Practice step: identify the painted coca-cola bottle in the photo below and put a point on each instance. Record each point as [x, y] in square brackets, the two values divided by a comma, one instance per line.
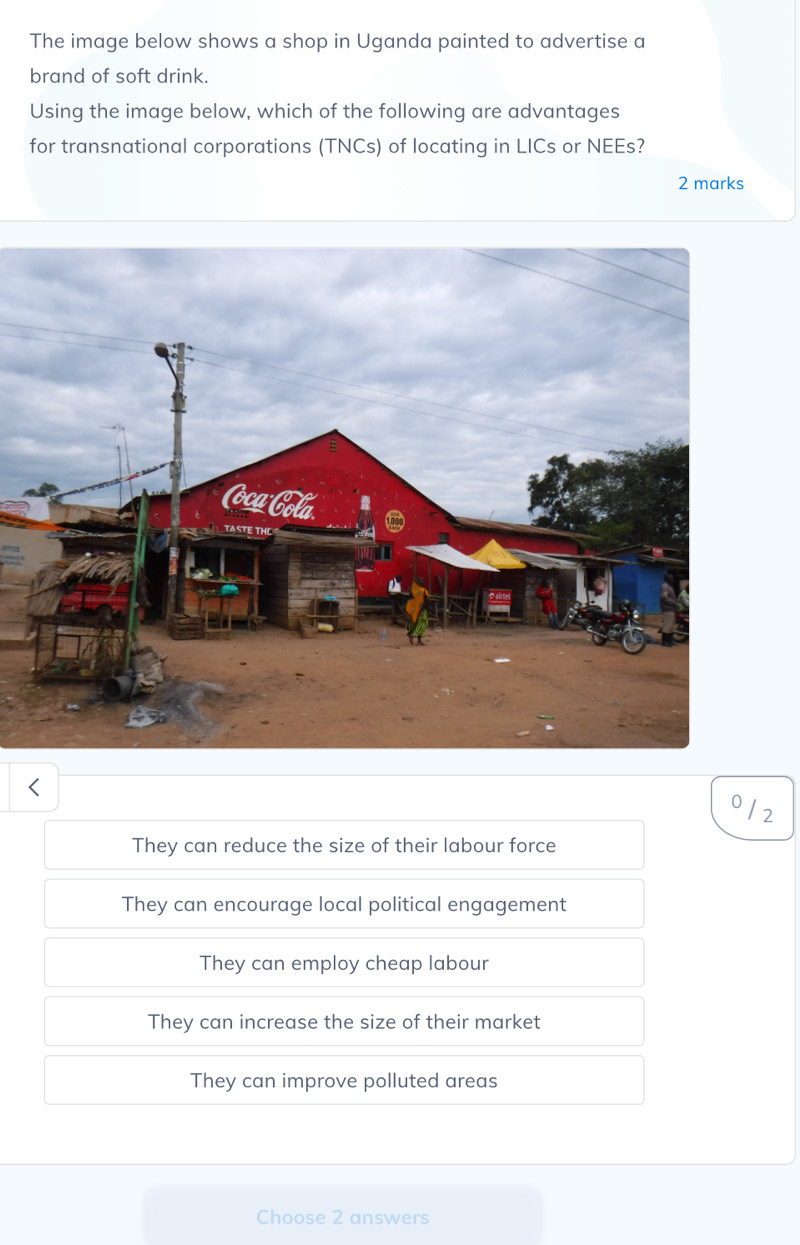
[365, 530]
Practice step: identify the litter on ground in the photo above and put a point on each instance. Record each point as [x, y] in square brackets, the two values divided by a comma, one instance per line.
[141, 716]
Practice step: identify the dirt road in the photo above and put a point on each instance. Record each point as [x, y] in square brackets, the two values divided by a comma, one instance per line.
[353, 690]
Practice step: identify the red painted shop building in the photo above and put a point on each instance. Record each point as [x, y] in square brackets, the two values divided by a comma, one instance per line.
[329, 483]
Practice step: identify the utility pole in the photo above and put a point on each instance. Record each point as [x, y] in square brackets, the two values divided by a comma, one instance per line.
[178, 408]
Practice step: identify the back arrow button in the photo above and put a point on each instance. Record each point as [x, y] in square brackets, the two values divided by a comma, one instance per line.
[33, 787]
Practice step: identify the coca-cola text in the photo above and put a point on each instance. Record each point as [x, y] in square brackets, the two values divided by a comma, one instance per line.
[289, 503]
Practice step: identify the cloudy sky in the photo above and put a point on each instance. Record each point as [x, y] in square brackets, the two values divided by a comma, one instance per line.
[461, 373]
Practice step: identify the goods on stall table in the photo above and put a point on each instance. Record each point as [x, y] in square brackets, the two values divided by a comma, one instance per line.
[324, 613]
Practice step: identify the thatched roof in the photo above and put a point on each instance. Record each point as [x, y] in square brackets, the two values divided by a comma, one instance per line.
[51, 581]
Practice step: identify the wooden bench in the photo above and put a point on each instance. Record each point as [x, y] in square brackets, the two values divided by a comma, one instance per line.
[374, 608]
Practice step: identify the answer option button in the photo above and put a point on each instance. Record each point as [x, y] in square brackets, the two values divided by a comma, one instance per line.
[512, 963]
[526, 1021]
[344, 1080]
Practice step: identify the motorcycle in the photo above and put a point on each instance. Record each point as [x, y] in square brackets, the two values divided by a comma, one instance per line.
[680, 632]
[619, 626]
[577, 616]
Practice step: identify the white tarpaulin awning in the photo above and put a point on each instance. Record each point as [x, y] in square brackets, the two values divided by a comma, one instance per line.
[451, 557]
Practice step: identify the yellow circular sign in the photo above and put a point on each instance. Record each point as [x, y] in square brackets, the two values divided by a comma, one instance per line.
[395, 521]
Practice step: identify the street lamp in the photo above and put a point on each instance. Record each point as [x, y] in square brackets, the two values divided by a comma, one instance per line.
[178, 407]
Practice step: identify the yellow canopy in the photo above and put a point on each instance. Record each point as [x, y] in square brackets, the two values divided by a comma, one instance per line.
[495, 555]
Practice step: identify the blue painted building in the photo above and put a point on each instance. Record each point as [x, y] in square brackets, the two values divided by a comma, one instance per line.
[641, 573]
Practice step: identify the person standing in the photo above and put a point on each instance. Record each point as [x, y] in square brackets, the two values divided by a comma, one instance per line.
[669, 604]
[417, 611]
[395, 591]
[545, 594]
[683, 599]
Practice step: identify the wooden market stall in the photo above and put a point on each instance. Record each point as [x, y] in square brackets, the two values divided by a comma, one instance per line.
[310, 577]
[85, 608]
[218, 582]
[584, 577]
[447, 604]
[78, 610]
[504, 599]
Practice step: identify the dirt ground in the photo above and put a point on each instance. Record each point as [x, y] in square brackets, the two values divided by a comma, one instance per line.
[354, 690]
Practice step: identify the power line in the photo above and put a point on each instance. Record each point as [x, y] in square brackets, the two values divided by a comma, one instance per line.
[566, 281]
[577, 436]
[408, 410]
[42, 328]
[561, 434]
[406, 397]
[671, 258]
[624, 268]
[88, 345]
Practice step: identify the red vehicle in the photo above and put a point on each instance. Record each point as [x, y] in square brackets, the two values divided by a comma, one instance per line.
[98, 599]
[622, 625]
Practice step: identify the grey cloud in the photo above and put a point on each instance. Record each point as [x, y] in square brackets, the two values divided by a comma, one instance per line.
[445, 327]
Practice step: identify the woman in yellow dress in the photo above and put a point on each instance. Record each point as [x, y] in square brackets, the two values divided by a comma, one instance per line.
[417, 611]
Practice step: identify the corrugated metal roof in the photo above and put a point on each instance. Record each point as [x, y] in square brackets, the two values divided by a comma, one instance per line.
[451, 557]
[320, 540]
[523, 529]
[69, 536]
[545, 561]
[645, 559]
[672, 549]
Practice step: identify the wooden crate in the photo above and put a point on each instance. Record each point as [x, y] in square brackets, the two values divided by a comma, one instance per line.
[186, 627]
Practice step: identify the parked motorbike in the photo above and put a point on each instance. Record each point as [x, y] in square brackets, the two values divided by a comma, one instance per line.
[577, 615]
[620, 625]
[680, 632]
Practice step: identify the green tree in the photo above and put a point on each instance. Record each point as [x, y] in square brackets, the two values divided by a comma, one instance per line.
[608, 534]
[44, 490]
[564, 496]
[649, 489]
[629, 497]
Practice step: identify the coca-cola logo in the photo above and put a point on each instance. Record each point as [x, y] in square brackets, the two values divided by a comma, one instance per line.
[290, 503]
